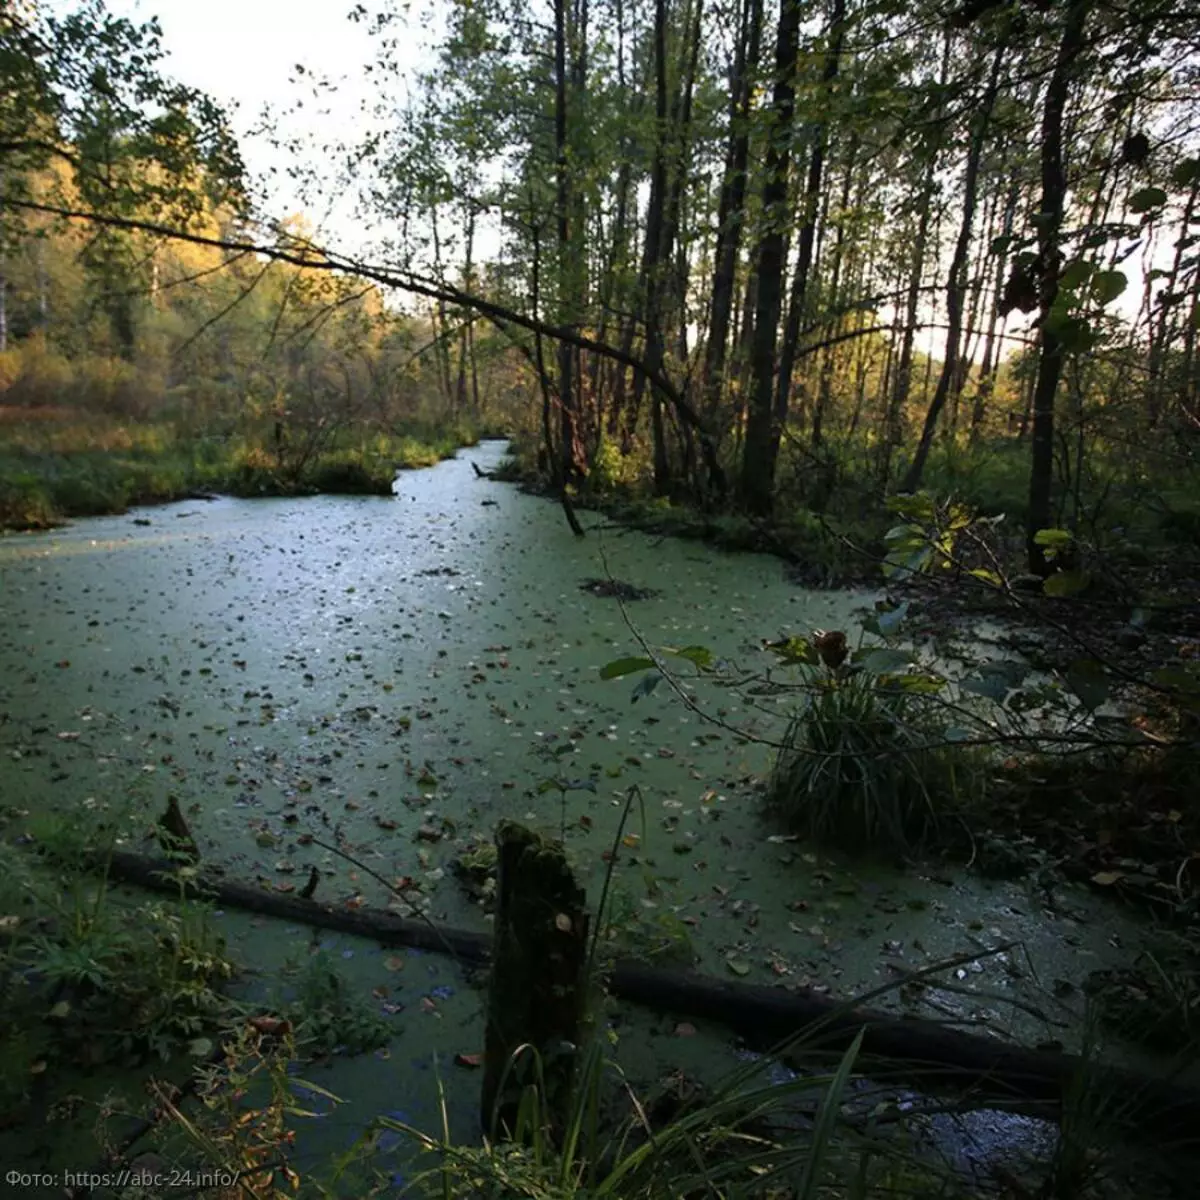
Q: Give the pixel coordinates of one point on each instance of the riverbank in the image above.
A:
(56, 464)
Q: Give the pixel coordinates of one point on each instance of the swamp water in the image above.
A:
(407, 672)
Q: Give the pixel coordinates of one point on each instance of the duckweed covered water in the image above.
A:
(403, 673)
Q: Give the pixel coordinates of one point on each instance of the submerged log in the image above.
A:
(537, 988)
(917, 1051)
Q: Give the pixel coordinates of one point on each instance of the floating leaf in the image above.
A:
(562, 923)
(468, 1060)
(393, 963)
(738, 966)
(1107, 878)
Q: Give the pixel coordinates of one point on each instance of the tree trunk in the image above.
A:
(762, 439)
(810, 207)
(991, 355)
(731, 213)
(1050, 358)
(537, 993)
(956, 286)
(572, 455)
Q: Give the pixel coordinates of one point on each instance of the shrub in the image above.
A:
(857, 769)
(344, 476)
(26, 504)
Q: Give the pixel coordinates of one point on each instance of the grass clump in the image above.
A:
(863, 764)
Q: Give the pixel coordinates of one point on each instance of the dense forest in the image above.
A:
(905, 294)
(773, 260)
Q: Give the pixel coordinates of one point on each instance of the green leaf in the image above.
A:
(794, 651)
(1055, 539)
(702, 656)
(991, 687)
(1147, 198)
(884, 662)
(738, 966)
(1186, 172)
(890, 620)
(919, 684)
(1089, 681)
(625, 666)
(1001, 243)
(1180, 679)
(1108, 285)
(987, 576)
(646, 685)
(1076, 273)
(1066, 583)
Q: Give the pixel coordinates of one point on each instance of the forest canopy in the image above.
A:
(781, 257)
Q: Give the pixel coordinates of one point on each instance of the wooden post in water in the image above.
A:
(536, 999)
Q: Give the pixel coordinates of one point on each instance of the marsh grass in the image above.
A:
(56, 464)
(861, 767)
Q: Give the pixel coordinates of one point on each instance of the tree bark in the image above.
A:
(537, 992)
(1050, 218)
(731, 214)
(956, 285)
(758, 451)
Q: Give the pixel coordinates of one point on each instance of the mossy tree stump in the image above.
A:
(536, 998)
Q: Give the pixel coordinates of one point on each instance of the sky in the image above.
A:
(244, 54)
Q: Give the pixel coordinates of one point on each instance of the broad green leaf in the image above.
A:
(1147, 198)
(794, 651)
(891, 619)
(991, 687)
(1066, 583)
(919, 684)
(1077, 273)
(884, 661)
(988, 576)
(1108, 285)
(1056, 539)
(1180, 679)
(702, 656)
(1186, 172)
(1089, 681)
(625, 666)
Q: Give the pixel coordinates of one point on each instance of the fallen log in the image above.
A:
(922, 1053)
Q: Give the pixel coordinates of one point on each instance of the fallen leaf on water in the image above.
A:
(738, 966)
(1107, 878)
(468, 1060)
(631, 841)
(562, 923)
(285, 887)
(394, 963)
